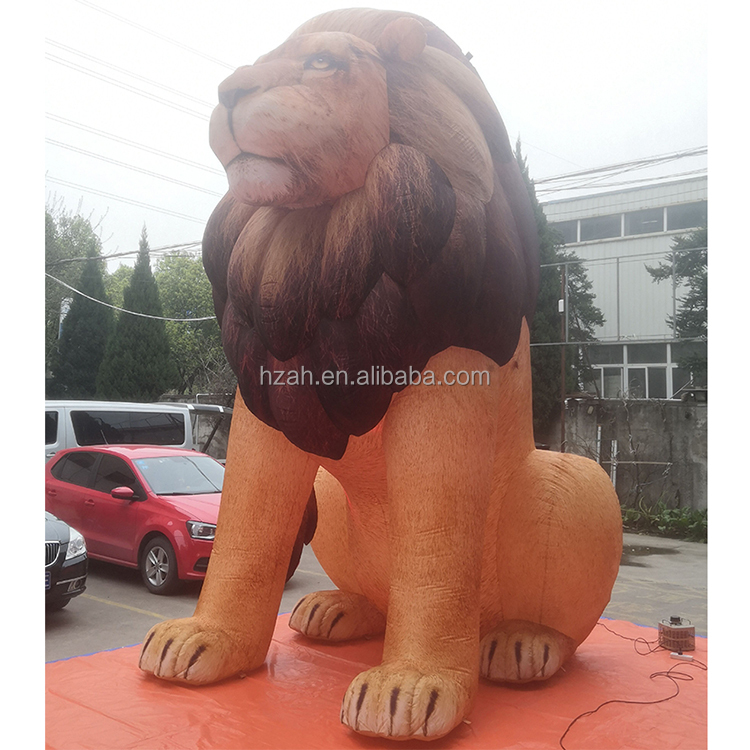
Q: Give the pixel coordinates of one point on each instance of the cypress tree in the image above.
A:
(137, 364)
(85, 332)
(546, 327)
(689, 267)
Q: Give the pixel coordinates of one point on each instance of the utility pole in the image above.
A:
(562, 307)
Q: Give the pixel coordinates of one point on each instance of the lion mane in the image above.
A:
(438, 248)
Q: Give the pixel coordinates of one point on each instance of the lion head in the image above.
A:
(300, 127)
(376, 216)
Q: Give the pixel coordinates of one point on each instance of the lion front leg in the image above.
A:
(266, 488)
(439, 444)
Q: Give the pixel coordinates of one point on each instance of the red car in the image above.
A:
(144, 507)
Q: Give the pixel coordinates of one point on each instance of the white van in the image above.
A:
(203, 427)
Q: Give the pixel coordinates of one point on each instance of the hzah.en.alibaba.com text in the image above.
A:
(373, 376)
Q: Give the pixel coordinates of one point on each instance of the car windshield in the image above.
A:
(182, 475)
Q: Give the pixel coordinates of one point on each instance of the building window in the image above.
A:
(605, 354)
(637, 382)
(687, 215)
(680, 378)
(568, 230)
(644, 222)
(600, 227)
(646, 370)
(657, 382)
(647, 353)
(612, 382)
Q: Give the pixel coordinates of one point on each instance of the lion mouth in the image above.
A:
(246, 156)
(260, 180)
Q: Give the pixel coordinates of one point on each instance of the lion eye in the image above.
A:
(320, 62)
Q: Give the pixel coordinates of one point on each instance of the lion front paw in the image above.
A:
(400, 702)
(190, 651)
(336, 616)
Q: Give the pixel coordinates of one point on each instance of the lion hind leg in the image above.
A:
(336, 616)
(520, 651)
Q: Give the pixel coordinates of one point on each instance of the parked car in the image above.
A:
(152, 508)
(66, 563)
(73, 424)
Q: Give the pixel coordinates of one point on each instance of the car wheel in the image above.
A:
(159, 566)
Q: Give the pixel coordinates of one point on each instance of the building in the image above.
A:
(618, 235)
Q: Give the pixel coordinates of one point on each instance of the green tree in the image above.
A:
(85, 331)
(137, 365)
(185, 292)
(116, 283)
(67, 237)
(688, 266)
(547, 325)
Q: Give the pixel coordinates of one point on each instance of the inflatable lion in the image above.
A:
(374, 268)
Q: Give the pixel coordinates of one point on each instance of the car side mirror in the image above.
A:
(123, 493)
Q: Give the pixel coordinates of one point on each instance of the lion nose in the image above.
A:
(230, 98)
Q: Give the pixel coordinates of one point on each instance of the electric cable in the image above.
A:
(122, 199)
(163, 37)
(670, 674)
(111, 256)
(696, 151)
(129, 73)
(129, 312)
(133, 144)
(101, 157)
(126, 86)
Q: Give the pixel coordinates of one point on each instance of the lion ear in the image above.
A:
(403, 39)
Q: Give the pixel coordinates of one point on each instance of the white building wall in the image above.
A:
(636, 308)
(633, 304)
(632, 199)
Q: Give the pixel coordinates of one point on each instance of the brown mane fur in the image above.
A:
(436, 249)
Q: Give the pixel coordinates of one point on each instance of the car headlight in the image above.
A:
(199, 530)
(76, 545)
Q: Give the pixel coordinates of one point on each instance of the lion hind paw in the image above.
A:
(336, 616)
(520, 651)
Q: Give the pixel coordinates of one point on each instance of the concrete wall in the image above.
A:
(661, 449)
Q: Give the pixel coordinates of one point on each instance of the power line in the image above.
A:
(133, 144)
(697, 151)
(129, 312)
(602, 181)
(125, 200)
(101, 157)
(129, 73)
(587, 179)
(126, 253)
(549, 153)
(621, 183)
(164, 38)
(125, 86)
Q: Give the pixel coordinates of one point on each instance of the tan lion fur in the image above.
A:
(441, 525)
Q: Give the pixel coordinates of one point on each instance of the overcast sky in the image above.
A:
(131, 84)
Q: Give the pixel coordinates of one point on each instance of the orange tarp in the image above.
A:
(293, 701)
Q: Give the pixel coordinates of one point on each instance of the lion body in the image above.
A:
(377, 220)
(551, 542)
